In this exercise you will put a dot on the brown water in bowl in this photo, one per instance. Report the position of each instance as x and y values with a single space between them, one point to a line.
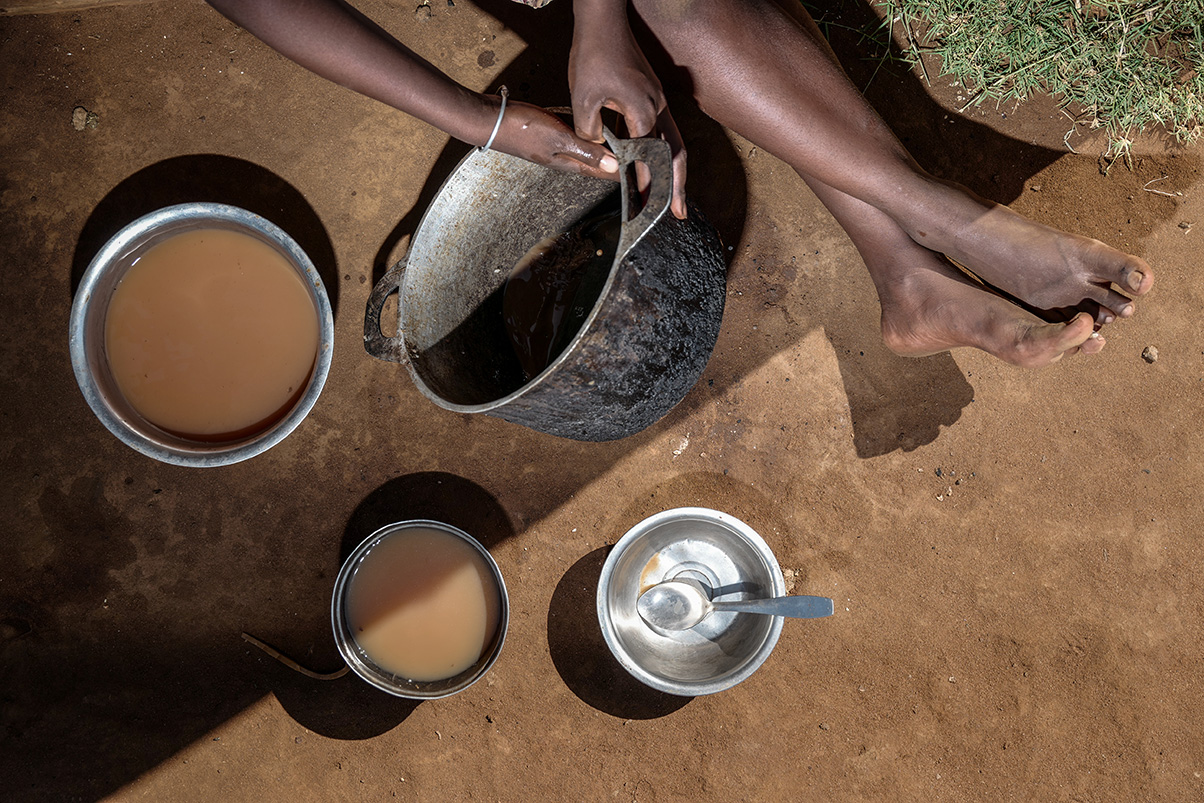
423 604
212 335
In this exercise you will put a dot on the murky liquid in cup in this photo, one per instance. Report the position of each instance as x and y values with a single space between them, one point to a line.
212 335
423 604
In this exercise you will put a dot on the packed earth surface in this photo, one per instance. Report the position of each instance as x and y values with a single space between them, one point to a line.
1013 554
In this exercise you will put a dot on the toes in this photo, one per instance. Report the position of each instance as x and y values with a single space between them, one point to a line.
1106 304
1093 344
1045 344
1113 305
1130 273
1138 279
1075 334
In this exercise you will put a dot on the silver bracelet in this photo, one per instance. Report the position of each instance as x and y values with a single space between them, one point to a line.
505 93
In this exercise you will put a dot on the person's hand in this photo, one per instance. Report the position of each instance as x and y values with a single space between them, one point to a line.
537 135
607 70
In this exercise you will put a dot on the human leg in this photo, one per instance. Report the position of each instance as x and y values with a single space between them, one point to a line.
763 70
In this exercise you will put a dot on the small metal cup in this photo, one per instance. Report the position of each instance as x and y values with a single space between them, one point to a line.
366 668
87 333
716 549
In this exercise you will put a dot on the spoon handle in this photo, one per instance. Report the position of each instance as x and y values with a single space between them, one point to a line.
797 607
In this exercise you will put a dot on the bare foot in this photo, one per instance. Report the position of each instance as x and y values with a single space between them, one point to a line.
1043 267
928 306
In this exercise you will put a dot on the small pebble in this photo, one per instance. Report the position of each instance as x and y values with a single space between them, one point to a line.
1150 354
81 118
823 726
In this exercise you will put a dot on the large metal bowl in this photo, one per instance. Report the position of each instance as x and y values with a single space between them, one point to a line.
87 333
720 551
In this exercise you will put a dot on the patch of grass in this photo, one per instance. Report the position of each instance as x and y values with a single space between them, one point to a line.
873 38
1123 65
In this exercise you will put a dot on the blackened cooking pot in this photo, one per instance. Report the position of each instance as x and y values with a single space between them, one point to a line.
639 350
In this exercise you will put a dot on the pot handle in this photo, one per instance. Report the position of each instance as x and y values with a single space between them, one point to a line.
390 349
658 156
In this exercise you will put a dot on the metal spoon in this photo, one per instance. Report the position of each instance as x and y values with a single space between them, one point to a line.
681 603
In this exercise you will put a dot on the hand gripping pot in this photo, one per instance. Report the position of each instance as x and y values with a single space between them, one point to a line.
639 350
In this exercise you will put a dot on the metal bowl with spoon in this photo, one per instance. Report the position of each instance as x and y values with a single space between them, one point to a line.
683 602
724 554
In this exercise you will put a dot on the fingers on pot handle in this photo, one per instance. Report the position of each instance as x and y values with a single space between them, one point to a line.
375 343
657 156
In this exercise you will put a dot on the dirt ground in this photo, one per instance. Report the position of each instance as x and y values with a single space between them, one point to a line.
1013 553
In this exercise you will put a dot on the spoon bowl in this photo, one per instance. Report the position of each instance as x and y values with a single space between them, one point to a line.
683 602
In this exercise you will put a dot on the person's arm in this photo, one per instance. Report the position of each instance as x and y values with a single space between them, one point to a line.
608 70
338 43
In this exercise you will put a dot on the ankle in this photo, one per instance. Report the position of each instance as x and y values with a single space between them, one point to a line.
938 214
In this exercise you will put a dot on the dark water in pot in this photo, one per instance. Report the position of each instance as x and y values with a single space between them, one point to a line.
555 285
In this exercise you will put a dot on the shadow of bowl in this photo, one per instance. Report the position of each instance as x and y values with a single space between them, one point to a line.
581 656
209 178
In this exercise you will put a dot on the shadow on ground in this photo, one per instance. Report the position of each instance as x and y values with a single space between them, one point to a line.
209 178
581 656
113 692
